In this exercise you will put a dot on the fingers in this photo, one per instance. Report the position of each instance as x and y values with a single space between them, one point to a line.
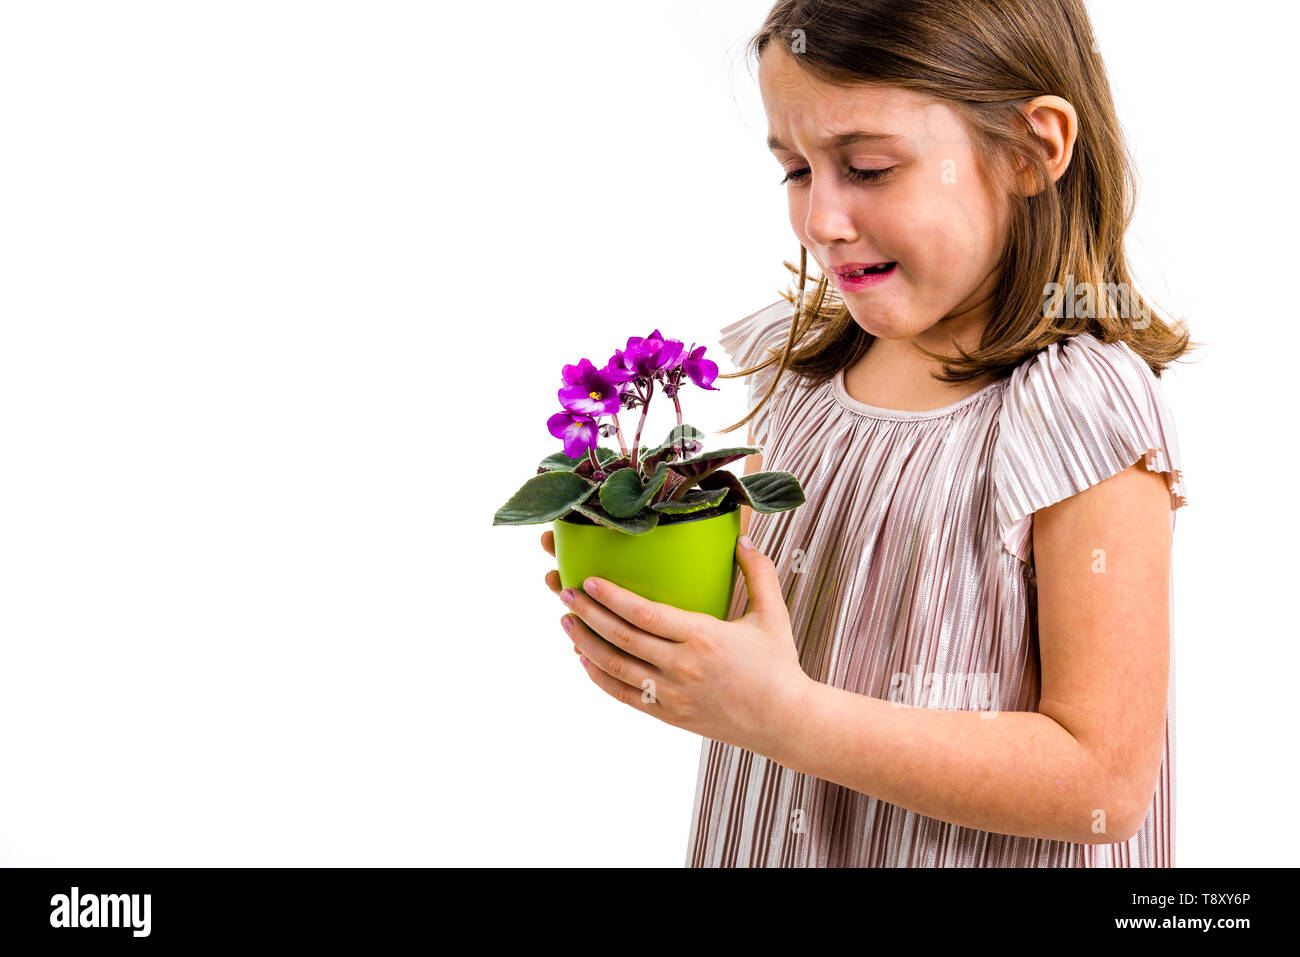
553 576
622 667
649 617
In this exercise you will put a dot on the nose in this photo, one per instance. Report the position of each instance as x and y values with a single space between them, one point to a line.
829 217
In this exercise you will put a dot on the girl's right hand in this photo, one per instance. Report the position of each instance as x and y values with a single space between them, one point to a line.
553 576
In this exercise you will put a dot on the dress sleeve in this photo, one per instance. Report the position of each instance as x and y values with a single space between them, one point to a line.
748 341
1073 415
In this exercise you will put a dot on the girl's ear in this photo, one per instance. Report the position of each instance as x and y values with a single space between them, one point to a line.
1057 125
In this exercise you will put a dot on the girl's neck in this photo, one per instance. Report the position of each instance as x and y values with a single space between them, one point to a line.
892 378
893 375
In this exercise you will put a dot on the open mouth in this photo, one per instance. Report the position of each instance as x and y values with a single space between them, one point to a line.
869 270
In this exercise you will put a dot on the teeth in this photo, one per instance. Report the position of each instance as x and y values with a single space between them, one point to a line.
870 269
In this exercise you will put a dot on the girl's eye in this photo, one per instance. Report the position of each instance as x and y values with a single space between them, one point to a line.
862 175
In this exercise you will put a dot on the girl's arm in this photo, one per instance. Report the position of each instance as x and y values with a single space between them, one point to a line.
1084 767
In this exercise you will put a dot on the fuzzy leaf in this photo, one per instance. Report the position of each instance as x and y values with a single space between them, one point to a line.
697 468
773 491
544 497
695 500
559 462
622 494
682 442
726 479
637 525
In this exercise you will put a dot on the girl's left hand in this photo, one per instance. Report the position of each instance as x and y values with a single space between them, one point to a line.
738 682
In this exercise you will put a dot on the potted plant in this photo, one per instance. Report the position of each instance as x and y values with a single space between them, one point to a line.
662 521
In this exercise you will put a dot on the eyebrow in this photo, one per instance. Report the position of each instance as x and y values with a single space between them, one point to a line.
843 139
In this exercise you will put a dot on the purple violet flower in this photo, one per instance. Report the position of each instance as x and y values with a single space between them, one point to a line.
702 371
579 432
589 390
647 356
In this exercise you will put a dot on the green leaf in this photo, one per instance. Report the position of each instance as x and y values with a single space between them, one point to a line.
696 468
687 436
622 495
637 525
695 500
544 497
773 491
726 479
559 462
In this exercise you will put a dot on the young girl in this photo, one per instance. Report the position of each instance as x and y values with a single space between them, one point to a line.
957 652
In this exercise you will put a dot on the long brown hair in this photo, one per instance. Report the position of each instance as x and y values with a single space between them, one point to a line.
986 59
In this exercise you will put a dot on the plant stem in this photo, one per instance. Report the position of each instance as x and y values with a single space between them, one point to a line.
645 407
618 430
690 484
677 404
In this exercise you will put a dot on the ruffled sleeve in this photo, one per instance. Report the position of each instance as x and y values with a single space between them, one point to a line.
1073 415
748 341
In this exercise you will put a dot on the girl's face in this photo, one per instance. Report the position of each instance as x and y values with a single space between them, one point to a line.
907 192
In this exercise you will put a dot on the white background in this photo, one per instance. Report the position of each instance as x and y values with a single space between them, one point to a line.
286 288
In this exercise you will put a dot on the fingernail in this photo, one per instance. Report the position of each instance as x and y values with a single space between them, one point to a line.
584 661
590 585
745 543
566 596
567 622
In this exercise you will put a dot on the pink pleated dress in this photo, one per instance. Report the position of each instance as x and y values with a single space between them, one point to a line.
908 577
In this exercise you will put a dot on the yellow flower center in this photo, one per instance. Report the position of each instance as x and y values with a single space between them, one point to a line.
594 395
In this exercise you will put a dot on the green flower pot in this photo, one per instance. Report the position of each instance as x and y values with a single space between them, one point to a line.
689 564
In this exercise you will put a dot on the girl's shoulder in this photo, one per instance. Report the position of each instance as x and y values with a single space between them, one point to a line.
748 342
1074 414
